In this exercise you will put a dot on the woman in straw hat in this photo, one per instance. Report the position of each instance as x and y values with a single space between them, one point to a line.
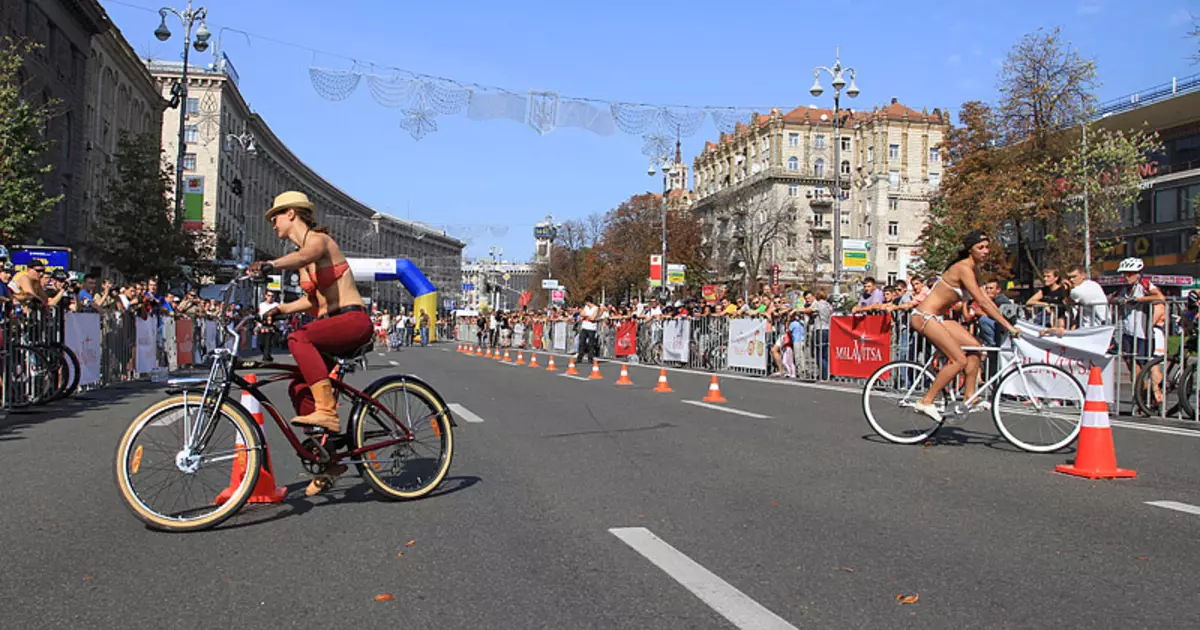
342 325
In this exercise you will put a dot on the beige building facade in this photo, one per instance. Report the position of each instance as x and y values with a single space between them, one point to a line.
237 164
888 160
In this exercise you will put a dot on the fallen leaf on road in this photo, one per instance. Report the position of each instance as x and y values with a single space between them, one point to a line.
385 597
908 599
410 543
399 554
641 516
1140 558
774 504
87 577
846 569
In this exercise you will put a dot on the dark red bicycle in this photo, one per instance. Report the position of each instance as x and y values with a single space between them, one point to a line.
179 455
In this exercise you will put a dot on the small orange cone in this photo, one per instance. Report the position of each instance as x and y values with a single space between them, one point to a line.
533 360
478 351
714 392
1095 457
507 357
595 375
550 367
571 371
496 354
520 358
662 382
265 490
624 378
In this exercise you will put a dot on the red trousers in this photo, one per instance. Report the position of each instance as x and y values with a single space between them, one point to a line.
333 335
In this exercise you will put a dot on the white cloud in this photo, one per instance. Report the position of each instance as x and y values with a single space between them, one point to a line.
1090 7
954 60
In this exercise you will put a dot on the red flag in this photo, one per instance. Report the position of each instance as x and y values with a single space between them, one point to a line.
859 345
538 330
626 338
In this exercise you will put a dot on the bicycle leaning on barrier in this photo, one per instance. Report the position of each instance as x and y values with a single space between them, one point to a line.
176 458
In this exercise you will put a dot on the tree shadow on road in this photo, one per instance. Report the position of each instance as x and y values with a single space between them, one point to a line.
15 421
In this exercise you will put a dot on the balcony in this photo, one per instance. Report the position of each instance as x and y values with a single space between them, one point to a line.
821 227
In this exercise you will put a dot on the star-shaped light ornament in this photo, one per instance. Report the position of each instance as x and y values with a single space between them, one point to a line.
419 121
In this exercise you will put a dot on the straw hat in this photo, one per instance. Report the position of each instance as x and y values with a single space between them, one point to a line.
287 200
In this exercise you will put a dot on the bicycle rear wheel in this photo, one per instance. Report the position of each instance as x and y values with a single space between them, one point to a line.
1157 395
66 371
1038 408
411 469
888 399
31 376
171 489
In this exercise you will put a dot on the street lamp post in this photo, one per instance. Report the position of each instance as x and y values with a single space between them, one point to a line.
188 17
837 72
665 162
245 141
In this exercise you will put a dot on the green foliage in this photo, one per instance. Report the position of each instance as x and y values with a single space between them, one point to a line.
23 198
135 233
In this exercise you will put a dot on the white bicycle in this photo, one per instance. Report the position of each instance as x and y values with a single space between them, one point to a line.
1037 407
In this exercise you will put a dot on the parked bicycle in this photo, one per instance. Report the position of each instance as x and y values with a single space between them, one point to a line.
1037 407
176 458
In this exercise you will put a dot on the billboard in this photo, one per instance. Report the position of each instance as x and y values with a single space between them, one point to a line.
56 257
855 254
193 202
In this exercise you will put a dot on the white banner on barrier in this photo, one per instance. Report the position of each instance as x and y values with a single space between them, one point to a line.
210 338
747 343
170 344
1076 351
83 338
560 336
147 346
519 335
677 334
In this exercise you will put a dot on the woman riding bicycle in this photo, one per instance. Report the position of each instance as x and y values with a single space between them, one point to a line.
342 323
949 336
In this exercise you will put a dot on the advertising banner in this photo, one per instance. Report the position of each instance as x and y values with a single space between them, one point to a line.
677 334
539 330
56 258
626 343
560 336
747 343
183 341
1077 351
712 293
83 338
859 345
147 348
193 202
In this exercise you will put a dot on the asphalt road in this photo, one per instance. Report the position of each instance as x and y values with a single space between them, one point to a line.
578 504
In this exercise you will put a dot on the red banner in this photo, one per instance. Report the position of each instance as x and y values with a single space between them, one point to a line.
712 293
626 338
183 342
859 345
538 331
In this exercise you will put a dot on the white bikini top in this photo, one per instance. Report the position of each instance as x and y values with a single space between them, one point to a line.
957 290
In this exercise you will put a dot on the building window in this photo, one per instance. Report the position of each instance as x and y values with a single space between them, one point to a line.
819 142
893 252
193 106
819 168
794 190
893 228
766 144
791 240
1166 205
870 154
793 163
893 152
894 179
935 179
793 139
845 143
935 155
845 167
189 161
191 134
892 277
893 204
818 219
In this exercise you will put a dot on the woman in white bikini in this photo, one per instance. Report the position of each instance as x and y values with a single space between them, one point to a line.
949 336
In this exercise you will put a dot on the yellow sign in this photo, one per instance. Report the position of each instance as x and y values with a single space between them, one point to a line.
854 260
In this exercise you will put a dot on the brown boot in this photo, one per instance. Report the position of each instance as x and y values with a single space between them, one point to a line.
325 415
323 482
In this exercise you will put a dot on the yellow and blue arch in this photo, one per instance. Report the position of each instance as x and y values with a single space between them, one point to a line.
424 294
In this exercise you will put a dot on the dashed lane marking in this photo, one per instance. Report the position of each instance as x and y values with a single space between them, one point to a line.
1177 506
748 414
464 413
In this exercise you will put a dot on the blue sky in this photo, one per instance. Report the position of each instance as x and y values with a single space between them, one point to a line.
502 177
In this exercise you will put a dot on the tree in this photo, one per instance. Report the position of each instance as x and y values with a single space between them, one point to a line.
23 198
1045 85
633 233
761 221
135 232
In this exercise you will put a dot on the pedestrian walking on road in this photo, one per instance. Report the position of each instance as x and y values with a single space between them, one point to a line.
424 328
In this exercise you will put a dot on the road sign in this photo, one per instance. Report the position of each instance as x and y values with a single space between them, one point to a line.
676 275
855 254
549 284
656 271
558 295
507 275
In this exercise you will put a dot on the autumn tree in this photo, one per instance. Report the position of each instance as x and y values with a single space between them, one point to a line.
23 198
761 220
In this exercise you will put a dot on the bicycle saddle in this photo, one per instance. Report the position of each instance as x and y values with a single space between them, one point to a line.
353 354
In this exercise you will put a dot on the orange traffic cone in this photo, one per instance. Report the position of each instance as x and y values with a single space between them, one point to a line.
571 371
507 356
1095 457
662 382
265 491
550 367
714 392
496 354
533 360
624 378
595 375
478 351
520 358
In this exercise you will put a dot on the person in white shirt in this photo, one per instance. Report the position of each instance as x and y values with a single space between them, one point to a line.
266 327
589 341
1089 297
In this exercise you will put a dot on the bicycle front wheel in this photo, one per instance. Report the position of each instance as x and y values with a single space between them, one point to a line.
1038 407
411 469
888 399
171 487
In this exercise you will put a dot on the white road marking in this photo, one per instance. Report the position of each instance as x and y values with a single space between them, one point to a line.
464 413
394 363
748 414
1175 505
578 378
1152 428
721 596
381 354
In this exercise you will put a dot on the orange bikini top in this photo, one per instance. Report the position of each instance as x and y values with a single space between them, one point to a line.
326 276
